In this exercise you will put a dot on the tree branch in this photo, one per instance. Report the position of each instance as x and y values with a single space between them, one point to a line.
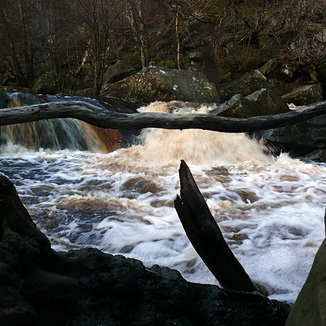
206 237
107 119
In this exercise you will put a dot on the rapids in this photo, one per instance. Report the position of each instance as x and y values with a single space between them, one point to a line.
270 210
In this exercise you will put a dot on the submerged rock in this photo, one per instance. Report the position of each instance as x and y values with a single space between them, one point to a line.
163 84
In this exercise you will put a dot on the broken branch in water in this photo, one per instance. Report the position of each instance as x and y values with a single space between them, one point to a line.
206 237
107 119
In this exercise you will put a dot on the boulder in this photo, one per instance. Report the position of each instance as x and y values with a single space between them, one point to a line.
304 95
39 286
3 99
250 83
52 84
319 156
46 84
269 69
163 84
121 68
309 134
28 99
262 102
310 306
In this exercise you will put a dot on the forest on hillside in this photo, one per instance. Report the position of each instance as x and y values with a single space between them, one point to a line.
82 38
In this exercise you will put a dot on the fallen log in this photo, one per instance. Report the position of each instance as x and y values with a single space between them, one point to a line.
39 286
206 237
100 117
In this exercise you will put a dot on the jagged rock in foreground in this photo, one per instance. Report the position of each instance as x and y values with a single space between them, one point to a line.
310 306
39 286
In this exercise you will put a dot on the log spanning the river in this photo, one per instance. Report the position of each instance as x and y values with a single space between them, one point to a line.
100 117
206 237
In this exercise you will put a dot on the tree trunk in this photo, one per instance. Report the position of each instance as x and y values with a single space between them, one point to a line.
103 118
206 237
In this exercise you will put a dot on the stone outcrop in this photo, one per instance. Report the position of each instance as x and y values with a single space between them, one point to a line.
318 156
163 84
304 95
121 69
308 134
250 83
262 102
310 306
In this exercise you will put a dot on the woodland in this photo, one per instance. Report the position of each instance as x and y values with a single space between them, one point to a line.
75 42
80 39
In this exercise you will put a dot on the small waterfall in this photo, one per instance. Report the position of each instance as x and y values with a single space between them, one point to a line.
56 134
157 146
195 146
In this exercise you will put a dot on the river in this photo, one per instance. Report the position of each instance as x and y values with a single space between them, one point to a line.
270 209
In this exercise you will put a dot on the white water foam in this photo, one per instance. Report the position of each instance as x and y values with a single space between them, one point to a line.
270 210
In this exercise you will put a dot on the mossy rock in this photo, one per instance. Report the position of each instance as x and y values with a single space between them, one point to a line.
46 84
122 68
269 69
310 306
304 95
163 84
249 83
52 84
262 102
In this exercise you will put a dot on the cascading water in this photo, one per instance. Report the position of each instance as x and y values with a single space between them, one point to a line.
56 134
270 209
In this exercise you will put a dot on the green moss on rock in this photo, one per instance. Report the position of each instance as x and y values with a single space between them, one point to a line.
163 84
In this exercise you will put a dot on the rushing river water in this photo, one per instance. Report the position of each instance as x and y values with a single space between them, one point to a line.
270 210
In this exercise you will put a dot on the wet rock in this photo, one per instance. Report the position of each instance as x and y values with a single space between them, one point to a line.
163 84
250 83
269 101
262 102
304 95
308 134
140 185
318 156
310 306
3 99
88 287
28 99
